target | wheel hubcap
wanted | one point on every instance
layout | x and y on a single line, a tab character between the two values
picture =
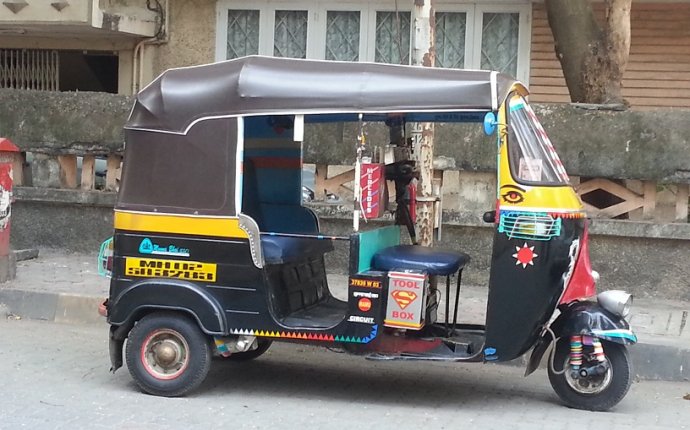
164	354
591	384
167	353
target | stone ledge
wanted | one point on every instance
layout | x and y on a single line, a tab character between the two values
645	229
644	145
73	122
603	227
62	196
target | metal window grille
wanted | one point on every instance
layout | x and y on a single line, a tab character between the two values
243	33
500	42
30	69
450	39
392	37
290	37
342	35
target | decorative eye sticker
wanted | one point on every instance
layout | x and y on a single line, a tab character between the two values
512	194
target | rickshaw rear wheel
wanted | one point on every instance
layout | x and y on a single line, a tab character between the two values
263	345
599	393
167	354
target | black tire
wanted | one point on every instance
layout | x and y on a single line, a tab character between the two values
150	344
610	395
263	345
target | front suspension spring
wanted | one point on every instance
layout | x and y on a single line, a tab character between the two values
575	359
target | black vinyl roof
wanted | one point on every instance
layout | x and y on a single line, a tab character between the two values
258	85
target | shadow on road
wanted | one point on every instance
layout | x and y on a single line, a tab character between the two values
310	373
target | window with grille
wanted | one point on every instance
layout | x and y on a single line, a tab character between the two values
499	48
243	33
59	70
290	34
450	31
30	69
392	37
485	34
342	35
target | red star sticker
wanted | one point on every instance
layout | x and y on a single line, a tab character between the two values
525	255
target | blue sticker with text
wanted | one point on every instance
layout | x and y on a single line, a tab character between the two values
148	247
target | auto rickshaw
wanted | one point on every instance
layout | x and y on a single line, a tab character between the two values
213	253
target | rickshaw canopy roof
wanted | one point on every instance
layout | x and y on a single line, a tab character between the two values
257	85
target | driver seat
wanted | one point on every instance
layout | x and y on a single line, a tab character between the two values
434	261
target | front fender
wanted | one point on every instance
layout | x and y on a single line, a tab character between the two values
170	294
590	319
582	318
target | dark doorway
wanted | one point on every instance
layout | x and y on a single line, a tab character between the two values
88	71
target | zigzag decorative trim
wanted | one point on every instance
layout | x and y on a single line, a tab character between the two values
308	336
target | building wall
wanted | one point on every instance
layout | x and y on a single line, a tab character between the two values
191	36
658	72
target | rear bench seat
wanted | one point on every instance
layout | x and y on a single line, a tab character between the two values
281	249
294	265
289	219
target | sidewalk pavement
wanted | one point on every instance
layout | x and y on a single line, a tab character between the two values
66	288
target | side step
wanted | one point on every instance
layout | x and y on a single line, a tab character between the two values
326	314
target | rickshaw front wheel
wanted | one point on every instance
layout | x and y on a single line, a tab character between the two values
595	392
167	354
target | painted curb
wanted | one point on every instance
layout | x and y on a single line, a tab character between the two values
650	362
53	307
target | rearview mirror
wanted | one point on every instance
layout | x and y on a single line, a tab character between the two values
490	123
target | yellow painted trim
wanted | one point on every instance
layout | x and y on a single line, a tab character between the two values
399	324
179	224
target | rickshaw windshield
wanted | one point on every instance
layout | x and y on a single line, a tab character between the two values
532	157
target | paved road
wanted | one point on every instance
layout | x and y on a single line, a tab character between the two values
56	377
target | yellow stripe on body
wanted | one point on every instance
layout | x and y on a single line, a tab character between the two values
389	323
179	224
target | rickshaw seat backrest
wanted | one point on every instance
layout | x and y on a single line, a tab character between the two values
272	210
282	216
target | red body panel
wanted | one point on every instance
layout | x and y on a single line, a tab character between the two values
581	284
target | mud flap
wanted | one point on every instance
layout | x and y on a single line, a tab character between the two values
537	353
116	341
115	347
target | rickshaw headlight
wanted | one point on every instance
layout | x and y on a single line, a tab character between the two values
616	301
